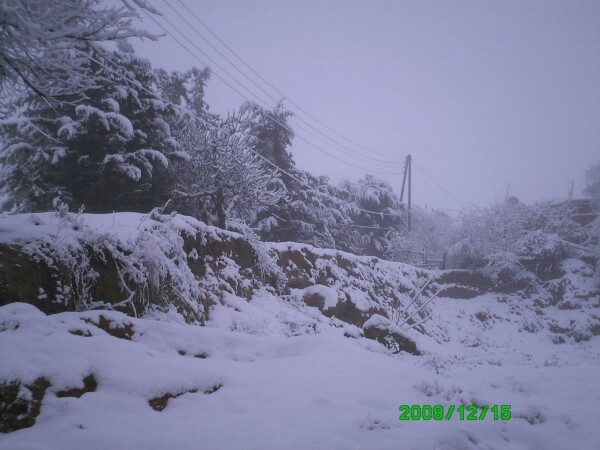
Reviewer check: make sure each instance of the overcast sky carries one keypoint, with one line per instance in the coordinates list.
(483, 94)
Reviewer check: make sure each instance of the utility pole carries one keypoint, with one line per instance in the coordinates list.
(407, 173)
(571, 190)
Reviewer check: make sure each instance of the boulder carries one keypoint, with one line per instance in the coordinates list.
(389, 334)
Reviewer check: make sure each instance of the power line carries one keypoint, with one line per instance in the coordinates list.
(274, 119)
(260, 87)
(207, 124)
(270, 162)
(372, 167)
(372, 171)
(335, 142)
(237, 91)
(219, 52)
(191, 12)
(439, 185)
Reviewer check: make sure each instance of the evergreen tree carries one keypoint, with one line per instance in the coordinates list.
(108, 153)
(272, 137)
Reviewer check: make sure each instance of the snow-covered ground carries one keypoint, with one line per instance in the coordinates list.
(272, 373)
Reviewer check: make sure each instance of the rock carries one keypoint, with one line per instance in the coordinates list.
(89, 385)
(322, 297)
(123, 330)
(387, 333)
(20, 403)
(160, 403)
(464, 284)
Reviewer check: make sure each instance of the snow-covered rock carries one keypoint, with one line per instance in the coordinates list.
(384, 331)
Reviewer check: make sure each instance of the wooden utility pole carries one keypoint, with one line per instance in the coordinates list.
(571, 190)
(407, 174)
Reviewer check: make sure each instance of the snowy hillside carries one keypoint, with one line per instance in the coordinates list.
(140, 263)
(283, 360)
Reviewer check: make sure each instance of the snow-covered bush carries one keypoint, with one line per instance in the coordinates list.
(464, 255)
(135, 267)
(542, 253)
(510, 237)
(502, 266)
(531, 325)
(391, 336)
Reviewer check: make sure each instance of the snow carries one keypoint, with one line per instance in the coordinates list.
(156, 155)
(119, 122)
(312, 389)
(329, 295)
(112, 104)
(378, 321)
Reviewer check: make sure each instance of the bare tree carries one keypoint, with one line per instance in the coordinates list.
(223, 171)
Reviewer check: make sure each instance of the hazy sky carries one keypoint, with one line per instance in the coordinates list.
(483, 94)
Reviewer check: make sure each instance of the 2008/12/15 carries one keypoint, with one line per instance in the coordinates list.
(436, 412)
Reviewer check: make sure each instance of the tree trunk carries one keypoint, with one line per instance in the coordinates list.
(219, 199)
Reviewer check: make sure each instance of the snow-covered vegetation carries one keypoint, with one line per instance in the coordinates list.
(170, 279)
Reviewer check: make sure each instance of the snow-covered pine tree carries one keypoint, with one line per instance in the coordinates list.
(186, 91)
(377, 196)
(107, 153)
(272, 137)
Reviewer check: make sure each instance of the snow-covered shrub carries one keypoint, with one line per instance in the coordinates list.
(437, 364)
(542, 252)
(502, 266)
(140, 266)
(70, 258)
(580, 330)
(464, 255)
(475, 339)
(531, 325)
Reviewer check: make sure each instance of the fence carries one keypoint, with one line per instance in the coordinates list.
(422, 259)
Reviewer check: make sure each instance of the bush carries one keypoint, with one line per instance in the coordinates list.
(542, 253)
